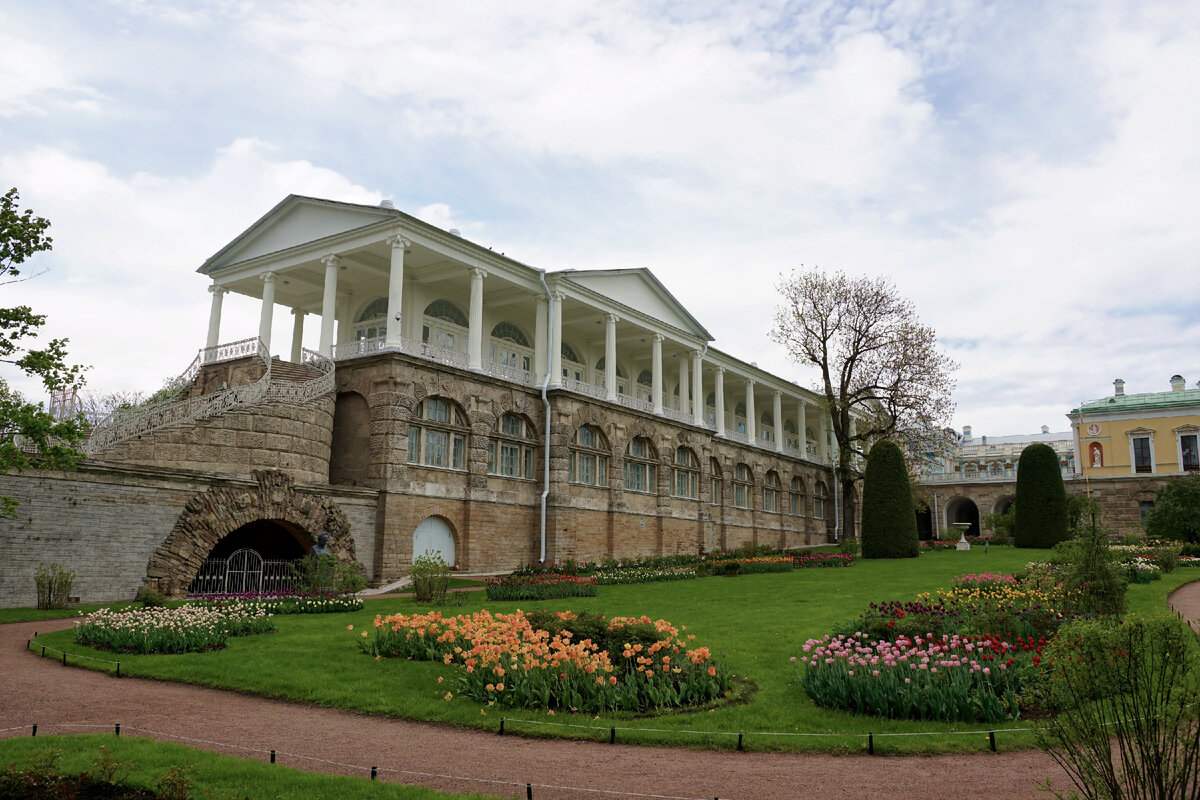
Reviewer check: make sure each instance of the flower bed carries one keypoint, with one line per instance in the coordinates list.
(186, 629)
(946, 678)
(506, 661)
(802, 559)
(540, 586)
(610, 577)
(284, 602)
(754, 564)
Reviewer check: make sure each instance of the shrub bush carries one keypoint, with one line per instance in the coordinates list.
(543, 586)
(889, 521)
(430, 578)
(326, 575)
(54, 582)
(1176, 512)
(1093, 573)
(1041, 502)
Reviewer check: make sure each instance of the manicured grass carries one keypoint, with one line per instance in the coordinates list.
(33, 614)
(213, 775)
(752, 623)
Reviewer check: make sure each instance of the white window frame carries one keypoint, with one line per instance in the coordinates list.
(1180, 433)
(686, 471)
(1134, 435)
(454, 429)
(504, 441)
(594, 454)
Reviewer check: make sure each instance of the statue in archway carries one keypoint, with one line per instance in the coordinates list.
(320, 548)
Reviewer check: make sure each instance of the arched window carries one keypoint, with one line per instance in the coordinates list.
(686, 473)
(645, 385)
(810, 442)
(511, 450)
(437, 434)
(819, 501)
(771, 488)
(588, 463)
(510, 347)
(572, 364)
(743, 486)
(622, 380)
(766, 427)
(798, 499)
(372, 322)
(739, 417)
(710, 409)
(641, 466)
(790, 439)
(445, 325)
(715, 478)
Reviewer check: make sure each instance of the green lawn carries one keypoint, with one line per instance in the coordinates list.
(753, 624)
(213, 775)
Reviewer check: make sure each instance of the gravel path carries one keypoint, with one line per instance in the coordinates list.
(318, 739)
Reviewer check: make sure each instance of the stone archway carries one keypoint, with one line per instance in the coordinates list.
(211, 516)
(963, 509)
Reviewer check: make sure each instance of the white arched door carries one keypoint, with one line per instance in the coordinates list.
(434, 535)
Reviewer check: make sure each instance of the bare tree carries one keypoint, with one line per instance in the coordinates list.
(881, 372)
(97, 406)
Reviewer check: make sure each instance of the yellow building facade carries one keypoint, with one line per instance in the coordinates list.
(1154, 434)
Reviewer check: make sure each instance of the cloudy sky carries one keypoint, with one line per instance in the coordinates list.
(1027, 173)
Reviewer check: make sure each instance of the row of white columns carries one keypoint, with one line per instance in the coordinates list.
(548, 328)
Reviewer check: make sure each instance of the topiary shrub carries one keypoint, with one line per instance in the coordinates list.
(1041, 502)
(1176, 512)
(889, 520)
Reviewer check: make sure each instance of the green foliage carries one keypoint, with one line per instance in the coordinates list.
(325, 574)
(1002, 524)
(849, 546)
(430, 578)
(54, 583)
(21, 234)
(1041, 516)
(1176, 512)
(1082, 512)
(1094, 571)
(1129, 695)
(889, 522)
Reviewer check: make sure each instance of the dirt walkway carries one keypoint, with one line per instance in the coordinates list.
(43, 692)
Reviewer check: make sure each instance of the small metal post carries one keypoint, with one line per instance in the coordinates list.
(502, 726)
(118, 669)
(870, 744)
(43, 651)
(740, 734)
(64, 658)
(612, 735)
(118, 728)
(529, 791)
(34, 730)
(272, 756)
(374, 773)
(992, 740)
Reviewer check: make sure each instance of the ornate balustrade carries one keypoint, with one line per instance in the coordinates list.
(629, 401)
(509, 373)
(582, 387)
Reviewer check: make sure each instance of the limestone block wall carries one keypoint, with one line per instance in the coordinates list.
(268, 436)
(107, 521)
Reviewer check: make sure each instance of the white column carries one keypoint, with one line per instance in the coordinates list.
(751, 421)
(267, 314)
(297, 336)
(396, 291)
(720, 392)
(540, 323)
(214, 315)
(610, 357)
(777, 411)
(329, 305)
(475, 334)
(684, 403)
(555, 343)
(802, 424)
(656, 372)
(697, 387)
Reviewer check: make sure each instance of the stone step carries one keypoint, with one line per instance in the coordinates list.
(292, 373)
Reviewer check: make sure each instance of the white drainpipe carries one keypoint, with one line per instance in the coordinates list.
(546, 401)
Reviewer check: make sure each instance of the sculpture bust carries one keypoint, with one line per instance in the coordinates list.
(320, 549)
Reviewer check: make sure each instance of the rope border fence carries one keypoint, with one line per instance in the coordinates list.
(373, 771)
(30, 643)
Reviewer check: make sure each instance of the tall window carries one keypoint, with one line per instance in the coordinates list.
(766, 427)
(445, 325)
(771, 487)
(588, 462)
(798, 500)
(572, 364)
(686, 473)
(1142, 458)
(714, 467)
(437, 435)
(739, 417)
(372, 322)
(640, 466)
(645, 385)
(819, 501)
(511, 450)
(510, 346)
(790, 438)
(743, 486)
(622, 380)
(1189, 452)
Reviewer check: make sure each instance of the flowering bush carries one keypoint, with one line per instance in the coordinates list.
(801, 559)
(946, 678)
(505, 660)
(539, 586)
(284, 602)
(1142, 570)
(185, 629)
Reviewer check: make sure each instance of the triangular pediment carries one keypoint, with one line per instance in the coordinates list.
(640, 290)
(295, 221)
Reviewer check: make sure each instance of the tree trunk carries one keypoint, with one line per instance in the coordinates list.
(848, 504)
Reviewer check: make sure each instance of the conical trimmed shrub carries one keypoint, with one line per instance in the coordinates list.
(1041, 517)
(889, 521)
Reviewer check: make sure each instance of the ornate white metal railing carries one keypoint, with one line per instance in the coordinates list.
(442, 355)
(678, 416)
(629, 401)
(509, 373)
(303, 392)
(582, 387)
(737, 436)
(983, 477)
(359, 347)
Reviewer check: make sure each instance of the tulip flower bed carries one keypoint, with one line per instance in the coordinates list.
(284, 602)
(539, 586)
(638, 665)
(801, 559)
(186, 629)
(614, 577)
(754, 564)
(946, 678)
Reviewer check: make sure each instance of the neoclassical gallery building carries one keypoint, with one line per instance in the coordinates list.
(458, 401)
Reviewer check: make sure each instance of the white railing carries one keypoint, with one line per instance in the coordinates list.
(582, 387)
(506, 372)
(637, 404)
(359, 347)
(442, 355)
(734, 435)
(301, 393)
(678, 416)
(982, 477)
